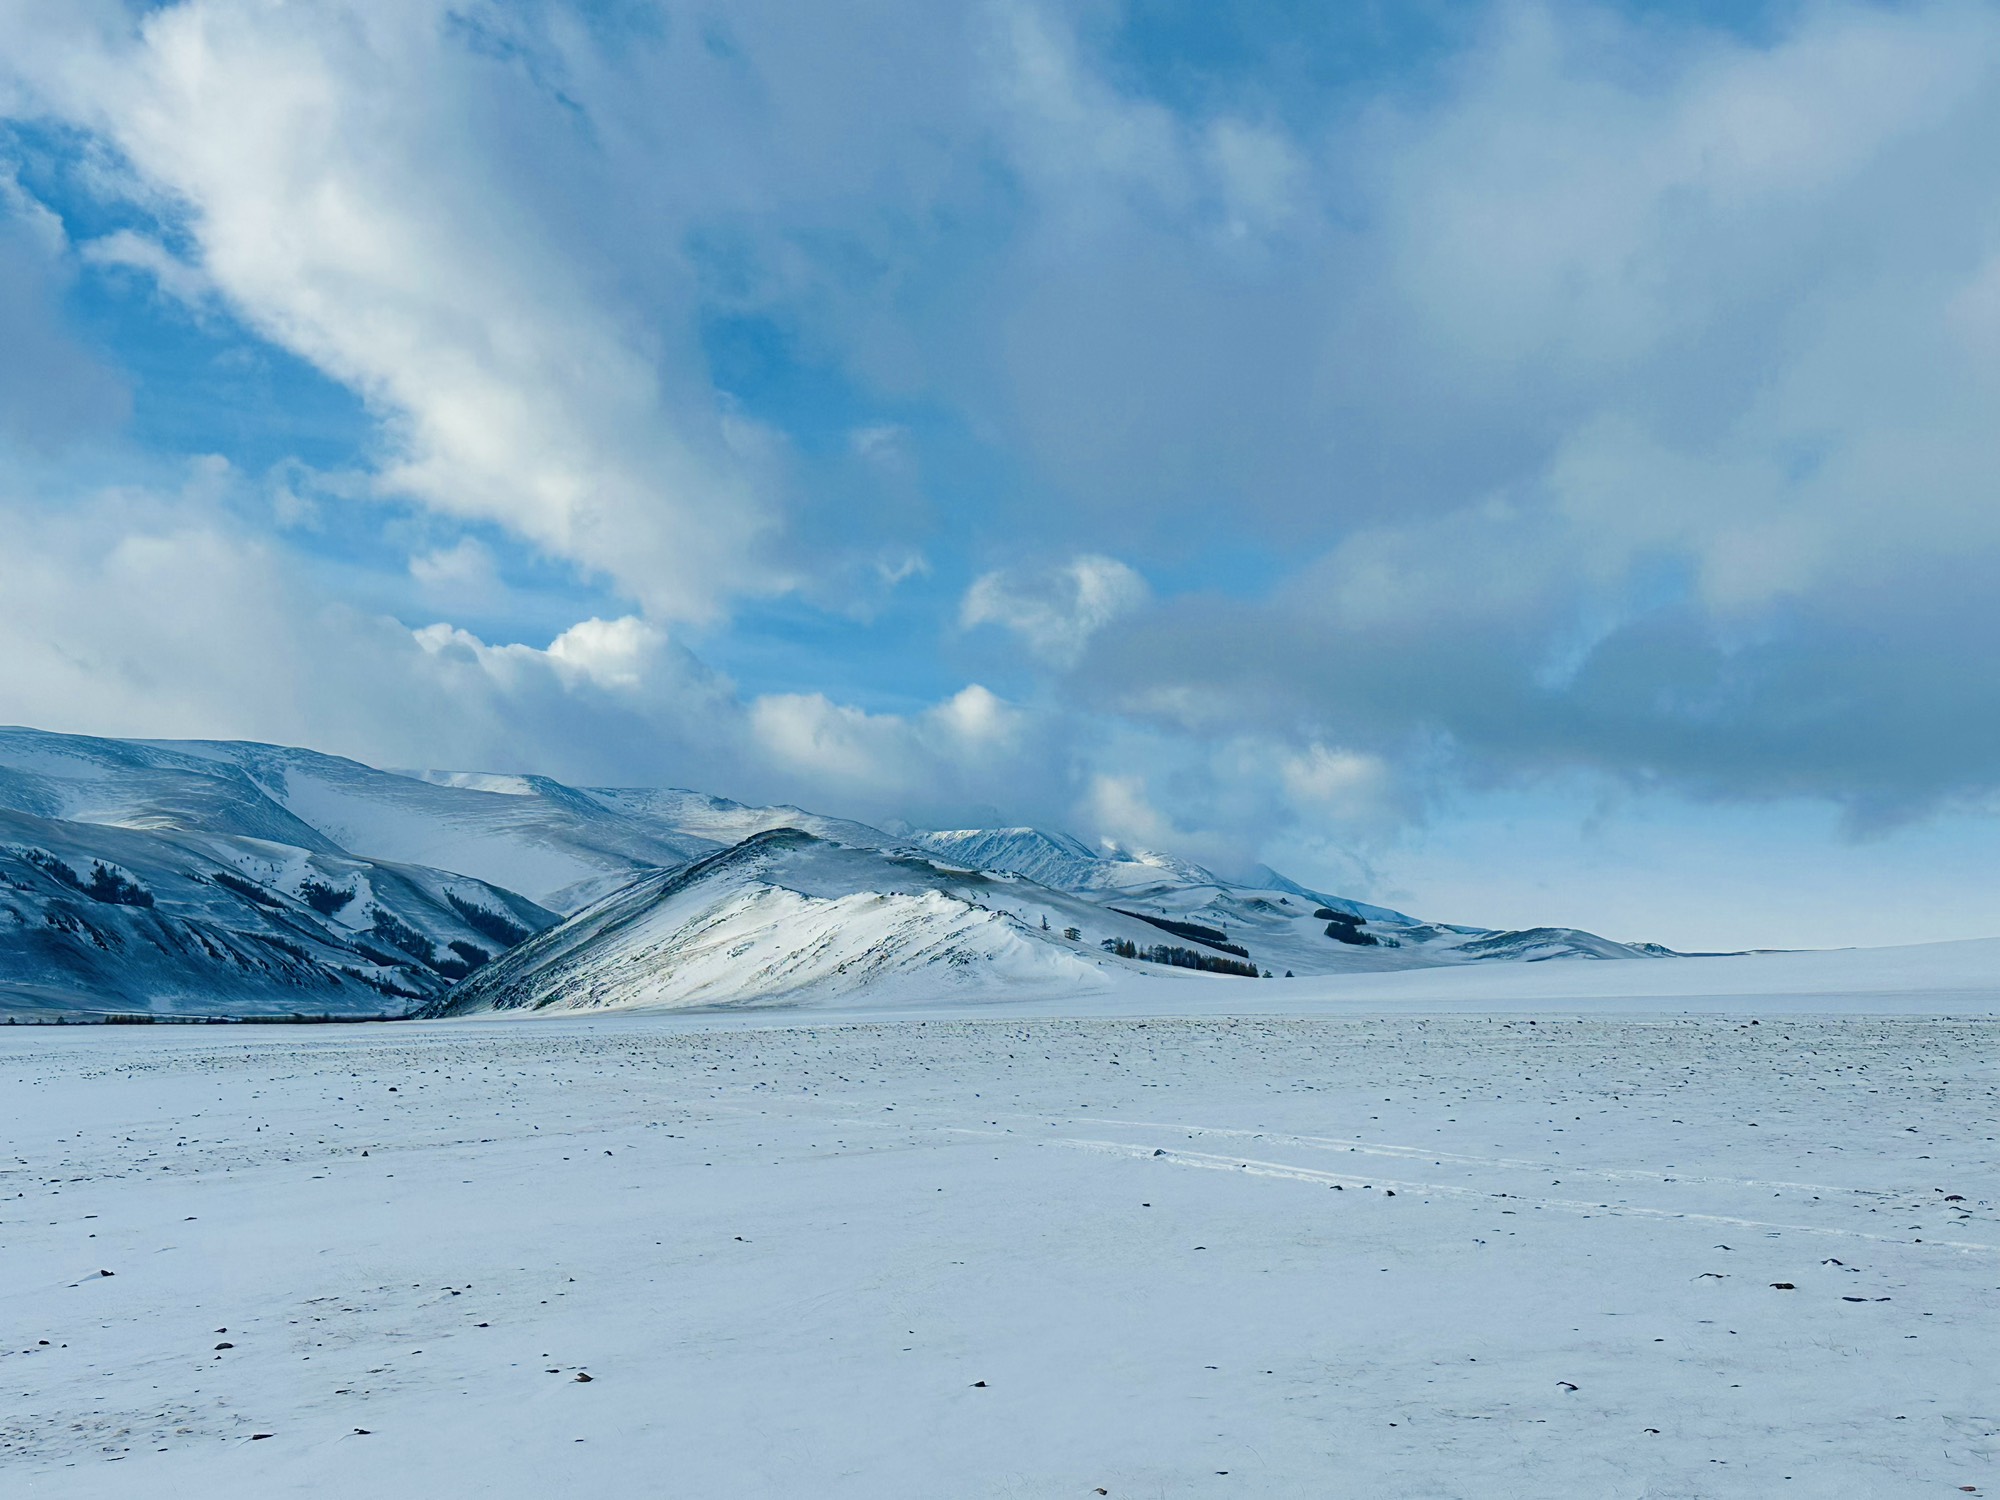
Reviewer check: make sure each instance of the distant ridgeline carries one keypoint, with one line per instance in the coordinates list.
(201, 879)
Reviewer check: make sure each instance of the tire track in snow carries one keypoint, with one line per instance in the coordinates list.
(1423, 1153)
(906, 1121)
(1290, 1172)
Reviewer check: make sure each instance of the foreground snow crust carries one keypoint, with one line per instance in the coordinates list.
(1307, 1254)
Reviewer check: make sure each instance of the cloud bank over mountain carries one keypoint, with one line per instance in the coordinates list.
(1207, 430)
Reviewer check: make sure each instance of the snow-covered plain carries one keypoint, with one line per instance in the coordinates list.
(1357, 1248)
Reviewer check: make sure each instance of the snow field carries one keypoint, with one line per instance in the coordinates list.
(1033, 1257)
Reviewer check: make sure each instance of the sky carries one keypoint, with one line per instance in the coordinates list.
(1524, 463)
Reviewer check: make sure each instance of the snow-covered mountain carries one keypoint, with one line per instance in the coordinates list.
(790, 916)
(233, 878)
(524, 833)
(97, 918)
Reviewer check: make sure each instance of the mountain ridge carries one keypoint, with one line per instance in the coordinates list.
(430, 877)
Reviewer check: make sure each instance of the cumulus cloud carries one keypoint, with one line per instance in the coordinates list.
(1055, 610)
(154, 613)
(1340, 783)
(1611, 393)
(464, 572)
(328, 167)
(133, 251)
(957, 753)
(1685, 351)
(623, 654)
(140, 613)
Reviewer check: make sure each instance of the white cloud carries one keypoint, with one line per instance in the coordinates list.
(342, 204)
(1621, 397)
(138, 252)
(626, 655)
(1118, 808)
(1342, 784)
(966, 748)
(1652, 386)
(153, 614)
(978, 722)
(611, 653)
(463, 572)
(1055, 610)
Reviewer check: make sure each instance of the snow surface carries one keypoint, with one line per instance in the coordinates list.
(1954, 978)
(1320, 1254)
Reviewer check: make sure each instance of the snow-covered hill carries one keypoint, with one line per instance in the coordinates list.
(98, 918)
(254, 879)
(792, 917)
(523, 833)
(1285, 926)
(787, 916)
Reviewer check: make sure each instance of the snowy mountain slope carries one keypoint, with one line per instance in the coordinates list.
(789, 916)
(381, 850)
(566, 846)
(1066, 863)
(538, 837)
(721, 822)
(792, 917)
(130, 784)
(1285, 925)
(560, 845)
(529, 834)
(98, 918)
(1055, 860)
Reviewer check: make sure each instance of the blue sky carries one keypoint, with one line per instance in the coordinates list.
(1524, 462)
